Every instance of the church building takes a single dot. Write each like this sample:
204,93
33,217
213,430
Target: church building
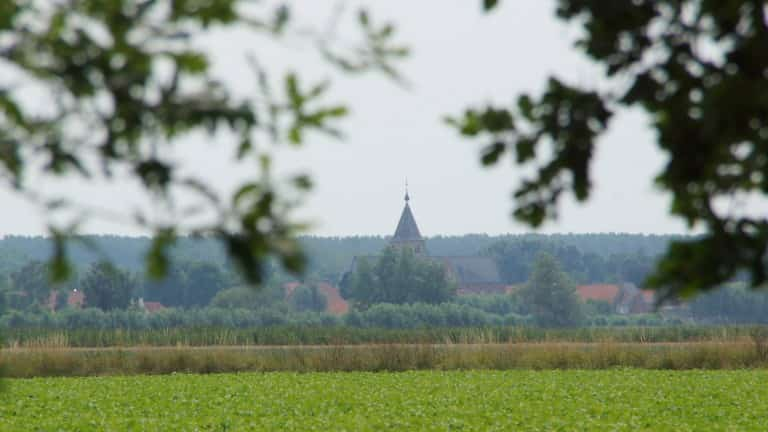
473,274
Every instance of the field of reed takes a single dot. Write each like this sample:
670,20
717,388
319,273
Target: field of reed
41,362
321,335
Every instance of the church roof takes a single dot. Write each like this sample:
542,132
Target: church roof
468,270
473,269
407,230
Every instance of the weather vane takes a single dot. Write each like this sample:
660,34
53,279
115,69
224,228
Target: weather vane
407,197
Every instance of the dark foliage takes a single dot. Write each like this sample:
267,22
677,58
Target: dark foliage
186,284
516,259
731,304
699,69
550,296
398,276
307,298
30,286
106,287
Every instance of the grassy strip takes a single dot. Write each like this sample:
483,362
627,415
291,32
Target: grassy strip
374,358
310,335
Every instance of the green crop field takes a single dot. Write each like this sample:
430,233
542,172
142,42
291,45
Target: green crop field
615,400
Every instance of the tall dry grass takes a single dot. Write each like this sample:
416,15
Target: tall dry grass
34,362
353,336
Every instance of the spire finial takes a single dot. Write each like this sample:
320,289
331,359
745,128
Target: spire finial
407,197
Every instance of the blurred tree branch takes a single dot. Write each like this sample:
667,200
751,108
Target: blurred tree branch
699,68
121,79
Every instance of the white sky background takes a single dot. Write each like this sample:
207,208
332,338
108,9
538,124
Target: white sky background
460,57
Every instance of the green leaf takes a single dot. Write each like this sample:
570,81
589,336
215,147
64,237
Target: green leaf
525,149
497,120
294,135
193,62
490,4
492,153
281,19
303,182
363,18
157,256
245,191
337,111
155,174
292,90
244,148
59,268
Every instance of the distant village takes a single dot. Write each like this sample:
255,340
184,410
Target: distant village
473,275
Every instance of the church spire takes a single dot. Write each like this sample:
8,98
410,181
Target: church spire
407,232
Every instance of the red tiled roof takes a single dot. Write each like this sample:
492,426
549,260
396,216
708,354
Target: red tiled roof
601,292
153,306
336,304
649,296
289,287
76,299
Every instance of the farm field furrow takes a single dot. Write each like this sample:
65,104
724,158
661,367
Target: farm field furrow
611,400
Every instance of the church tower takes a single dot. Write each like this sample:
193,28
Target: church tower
407,233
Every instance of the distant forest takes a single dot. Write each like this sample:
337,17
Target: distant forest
588,258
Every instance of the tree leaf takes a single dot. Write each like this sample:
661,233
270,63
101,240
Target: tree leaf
490,4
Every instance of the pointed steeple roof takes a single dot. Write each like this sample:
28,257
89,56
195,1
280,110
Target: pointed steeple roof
407,230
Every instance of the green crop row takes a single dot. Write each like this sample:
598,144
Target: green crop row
616,400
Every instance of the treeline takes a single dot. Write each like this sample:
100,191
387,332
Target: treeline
516,258
393,289
330,257
187,285
380,316
732,304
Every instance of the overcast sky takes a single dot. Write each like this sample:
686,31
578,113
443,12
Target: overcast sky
460,58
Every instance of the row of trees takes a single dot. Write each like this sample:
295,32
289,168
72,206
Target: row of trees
399,276
731,304
516,258
547,296
304,298
396,278
384,315
188,285
587,257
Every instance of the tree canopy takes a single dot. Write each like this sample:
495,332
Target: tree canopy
699,69
551,295
397,276
106,287
307,297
